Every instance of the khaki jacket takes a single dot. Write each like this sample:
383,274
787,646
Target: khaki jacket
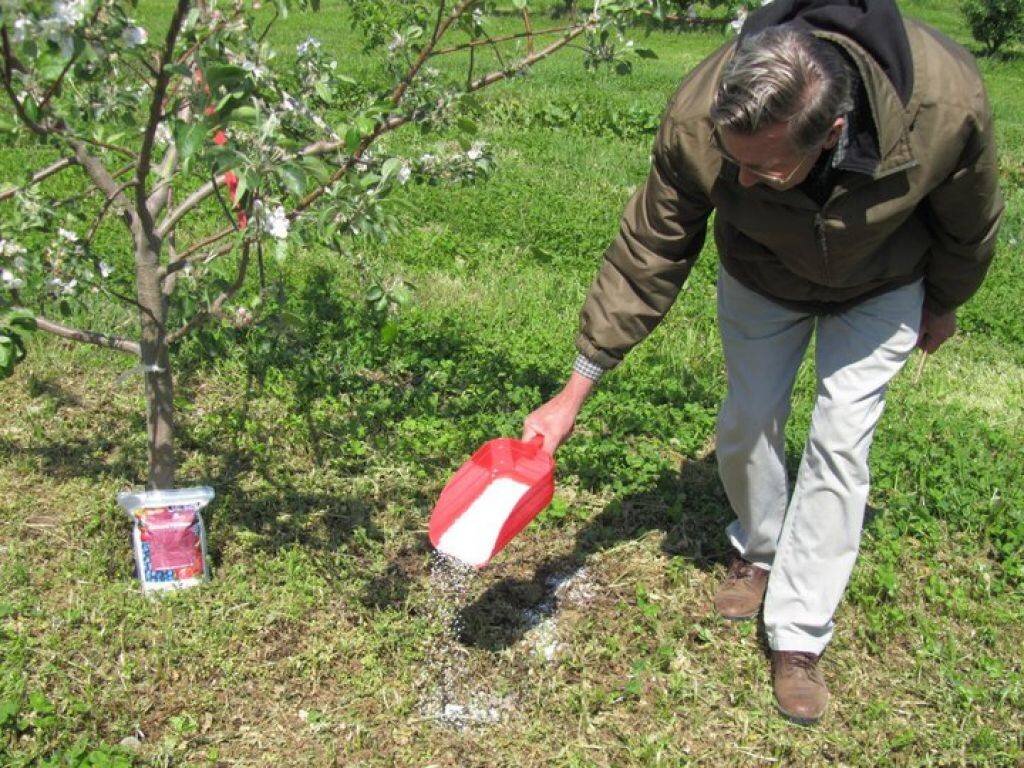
931,208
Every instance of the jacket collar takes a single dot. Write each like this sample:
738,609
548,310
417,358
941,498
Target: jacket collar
888,114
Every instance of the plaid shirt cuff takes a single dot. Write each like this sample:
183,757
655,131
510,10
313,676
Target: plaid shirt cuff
587,368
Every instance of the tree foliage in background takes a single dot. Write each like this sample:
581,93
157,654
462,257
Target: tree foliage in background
168,130
994,23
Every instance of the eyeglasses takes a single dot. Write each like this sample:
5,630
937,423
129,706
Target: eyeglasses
769,176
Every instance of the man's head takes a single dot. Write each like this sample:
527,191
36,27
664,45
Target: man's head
780,102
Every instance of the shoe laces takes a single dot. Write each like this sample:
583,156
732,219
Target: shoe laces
801,661
741,570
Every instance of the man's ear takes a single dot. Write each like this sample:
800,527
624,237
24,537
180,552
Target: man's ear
835,132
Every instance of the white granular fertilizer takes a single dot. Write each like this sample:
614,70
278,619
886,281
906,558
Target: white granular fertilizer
471,538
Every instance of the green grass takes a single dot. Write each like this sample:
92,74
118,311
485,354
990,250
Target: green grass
327,451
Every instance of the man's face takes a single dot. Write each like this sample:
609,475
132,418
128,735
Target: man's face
769,158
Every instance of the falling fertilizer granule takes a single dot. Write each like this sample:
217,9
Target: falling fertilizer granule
471,538
448,695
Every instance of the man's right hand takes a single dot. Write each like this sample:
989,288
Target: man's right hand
557,417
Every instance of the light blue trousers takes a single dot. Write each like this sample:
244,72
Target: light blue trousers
808,540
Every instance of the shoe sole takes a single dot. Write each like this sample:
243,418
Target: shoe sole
805,721
741,617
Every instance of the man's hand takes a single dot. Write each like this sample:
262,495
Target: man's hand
935,329
557,417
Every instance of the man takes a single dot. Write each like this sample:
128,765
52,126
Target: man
849,156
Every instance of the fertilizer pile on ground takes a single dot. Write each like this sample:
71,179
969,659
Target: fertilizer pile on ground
471,538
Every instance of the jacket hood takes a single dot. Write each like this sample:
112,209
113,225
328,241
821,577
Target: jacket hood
875,25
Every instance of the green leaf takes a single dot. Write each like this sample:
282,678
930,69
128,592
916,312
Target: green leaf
352,138
293,178
9,709
645,53
189,139
224,75
623,67
317,168
390,168
39,703
19,318
365,125
521,5
8,353
245,114
389,332
467,126
50,64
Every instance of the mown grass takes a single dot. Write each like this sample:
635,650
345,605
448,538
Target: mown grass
327,450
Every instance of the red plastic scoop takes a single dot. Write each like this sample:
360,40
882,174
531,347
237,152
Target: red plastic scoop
491,498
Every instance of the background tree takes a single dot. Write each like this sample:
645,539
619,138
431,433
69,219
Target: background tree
166,125
994,23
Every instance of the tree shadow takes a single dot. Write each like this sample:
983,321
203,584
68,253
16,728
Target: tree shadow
63,454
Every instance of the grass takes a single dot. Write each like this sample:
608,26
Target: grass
328,449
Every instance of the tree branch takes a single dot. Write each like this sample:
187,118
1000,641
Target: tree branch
155,112
183,208
106,206
501,39
127,346
100,176
214,309
40,175
182,261
439,30
9,66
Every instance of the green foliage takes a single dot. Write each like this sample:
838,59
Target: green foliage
14,323
994,23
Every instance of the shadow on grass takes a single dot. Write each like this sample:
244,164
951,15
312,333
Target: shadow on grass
63,454
687,505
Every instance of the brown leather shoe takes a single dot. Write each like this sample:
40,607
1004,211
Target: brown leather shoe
739,596
800,689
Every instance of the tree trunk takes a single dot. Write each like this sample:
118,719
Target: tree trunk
156,363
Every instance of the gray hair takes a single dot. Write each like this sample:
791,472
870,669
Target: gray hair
784,76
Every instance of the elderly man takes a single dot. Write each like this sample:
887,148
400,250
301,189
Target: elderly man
849,156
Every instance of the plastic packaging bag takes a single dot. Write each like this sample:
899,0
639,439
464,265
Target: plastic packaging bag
168,536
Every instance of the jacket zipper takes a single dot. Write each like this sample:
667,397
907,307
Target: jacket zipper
819,228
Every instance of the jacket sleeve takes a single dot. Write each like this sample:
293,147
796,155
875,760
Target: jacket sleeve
964,213
661,233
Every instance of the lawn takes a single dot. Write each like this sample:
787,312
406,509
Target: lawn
590,641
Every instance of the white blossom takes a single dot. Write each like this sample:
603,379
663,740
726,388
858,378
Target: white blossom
10,248
258,71
476,151
134,36
21,29
66,288
105,269
70,13
275,223
478,16
396,42
404,173
309,44
19,263
163,134
10,281
70,235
